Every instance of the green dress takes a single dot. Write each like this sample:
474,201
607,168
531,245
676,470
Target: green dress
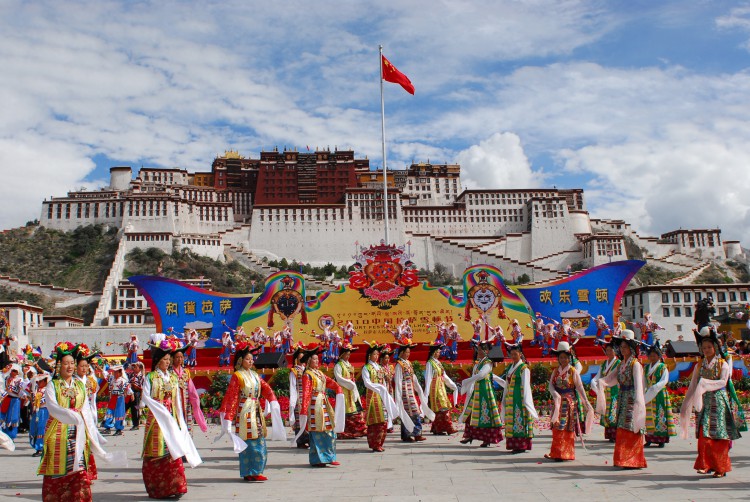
659,419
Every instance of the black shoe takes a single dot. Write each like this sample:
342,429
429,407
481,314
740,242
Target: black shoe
661,445
516,452
648,443
484,445
135,428
106,431
36,454
117,433
466,441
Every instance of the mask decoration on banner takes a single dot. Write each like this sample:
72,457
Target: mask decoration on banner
380,277
484,297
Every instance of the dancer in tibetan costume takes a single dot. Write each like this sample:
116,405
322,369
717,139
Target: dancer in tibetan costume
631,405
409,396
295,394
715,425
389,372
572,414
191,356
132,347
118,385
517,406
39,413
10,407
83,356
191,403
436,380
243,418
608,419
659,420
71,434
481,413
343,371
381,408
166,439
321,421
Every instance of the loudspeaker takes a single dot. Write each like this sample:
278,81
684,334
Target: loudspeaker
681,349
270,360
496,354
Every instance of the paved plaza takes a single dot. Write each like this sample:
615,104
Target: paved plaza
436,470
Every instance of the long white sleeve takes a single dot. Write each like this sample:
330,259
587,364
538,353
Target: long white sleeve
556,398
639,406
528,398
292,397
427,377
452,386
604,381
584,399
346,383
424,405
687,404
175,432
653,391
388,402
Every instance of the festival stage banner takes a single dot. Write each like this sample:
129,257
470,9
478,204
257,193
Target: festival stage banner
180,307
597,291
383,291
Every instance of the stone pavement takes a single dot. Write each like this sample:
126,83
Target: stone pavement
436,470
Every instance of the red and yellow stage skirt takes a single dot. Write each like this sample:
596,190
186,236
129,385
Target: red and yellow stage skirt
713,454
443,423
354,428
163,477
376,435
629,449
74,487
563,445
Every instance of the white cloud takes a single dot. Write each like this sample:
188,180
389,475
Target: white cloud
498,162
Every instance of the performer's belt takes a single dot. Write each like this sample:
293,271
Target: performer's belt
569,390
627,387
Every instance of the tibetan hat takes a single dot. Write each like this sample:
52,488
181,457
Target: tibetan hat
563,348
627,336
244,348
311,351
347,347
82,352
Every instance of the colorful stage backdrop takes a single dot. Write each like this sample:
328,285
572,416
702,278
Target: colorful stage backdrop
383,290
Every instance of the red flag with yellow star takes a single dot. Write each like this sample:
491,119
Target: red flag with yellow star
391,74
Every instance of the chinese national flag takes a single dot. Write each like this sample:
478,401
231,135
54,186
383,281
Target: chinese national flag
391,74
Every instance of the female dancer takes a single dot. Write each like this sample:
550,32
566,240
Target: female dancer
343,371
82,354
381,408
481,413
569,399
166,439
317,417
435,382
191,403
70,436
659,420
631,406
715,426
608,419
295,394
39,414
10,412
244,420
517,408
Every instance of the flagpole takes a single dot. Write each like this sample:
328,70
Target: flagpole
382,132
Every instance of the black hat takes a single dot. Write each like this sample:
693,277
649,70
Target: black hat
308,353
655,348
242,349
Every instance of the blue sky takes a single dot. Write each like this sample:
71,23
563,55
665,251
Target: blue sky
641,103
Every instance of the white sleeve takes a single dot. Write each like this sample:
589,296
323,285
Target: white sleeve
639,406
344,382
427,377
292,396
653,391
556,399
687,405
528,398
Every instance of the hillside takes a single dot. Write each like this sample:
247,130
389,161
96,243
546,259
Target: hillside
225,277
80,259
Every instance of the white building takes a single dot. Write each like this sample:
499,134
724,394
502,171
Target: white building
22,318
673,306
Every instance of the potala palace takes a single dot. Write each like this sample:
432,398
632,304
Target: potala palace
317,207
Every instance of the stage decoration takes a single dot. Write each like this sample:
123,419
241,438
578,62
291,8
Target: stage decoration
178,306
383,291
380,276
582,296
